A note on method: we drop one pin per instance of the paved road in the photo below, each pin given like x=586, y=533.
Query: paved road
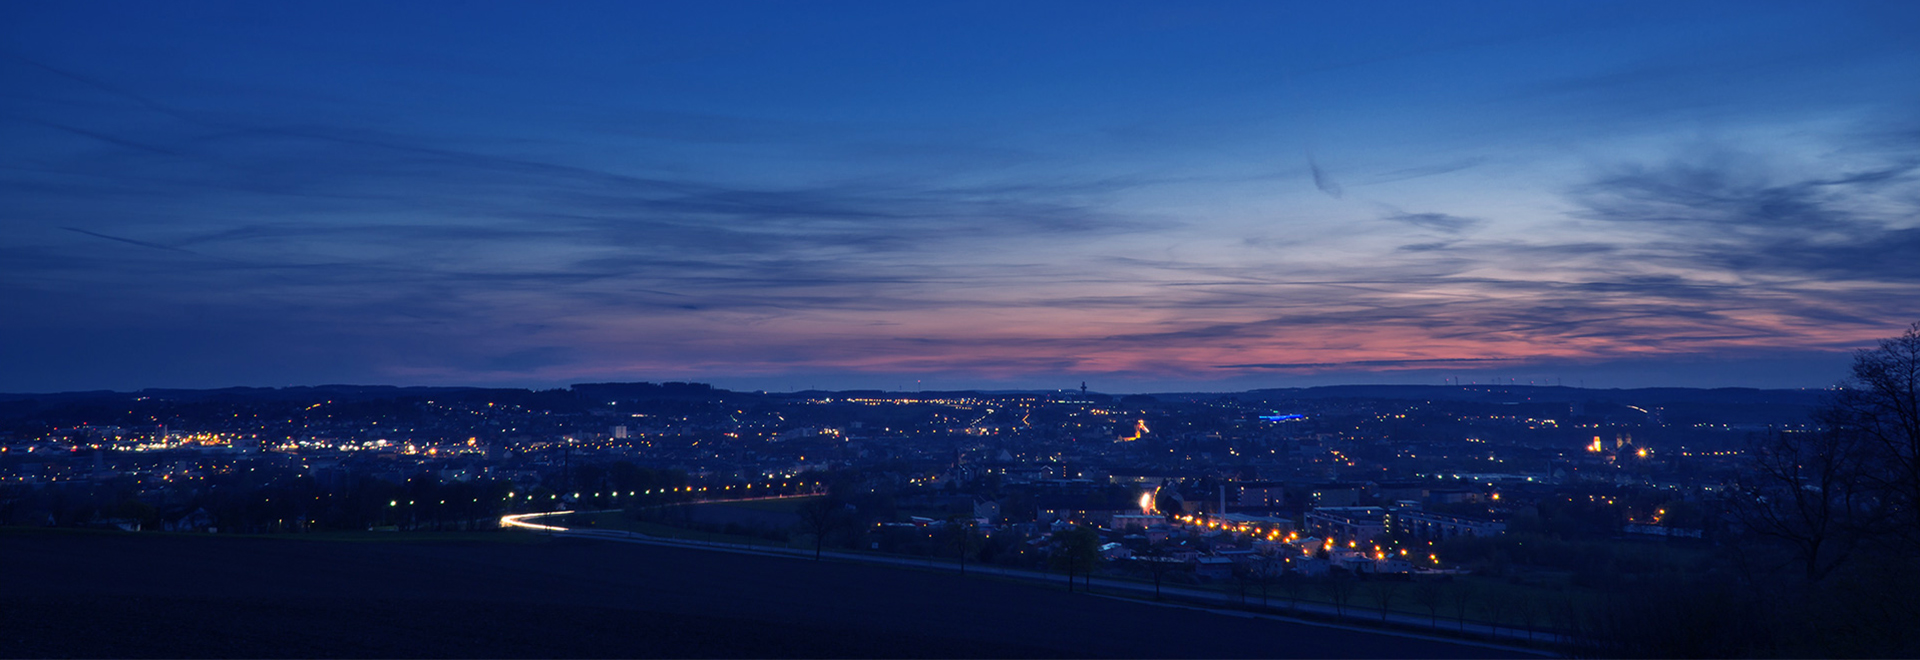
x=1108, y=585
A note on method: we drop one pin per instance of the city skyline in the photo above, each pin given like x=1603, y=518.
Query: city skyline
x=769, y=196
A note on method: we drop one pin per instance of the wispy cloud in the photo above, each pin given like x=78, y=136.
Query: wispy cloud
x=1721, y=210
x=1451, y=224
x=622, y=211
x=1292, y=366
x=1323, y=180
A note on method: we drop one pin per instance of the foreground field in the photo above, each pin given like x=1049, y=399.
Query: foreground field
x=149, y=595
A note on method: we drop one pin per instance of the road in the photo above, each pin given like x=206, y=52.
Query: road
x=1112, y=587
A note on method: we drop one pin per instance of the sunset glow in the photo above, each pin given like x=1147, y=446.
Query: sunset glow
x=1176, y=198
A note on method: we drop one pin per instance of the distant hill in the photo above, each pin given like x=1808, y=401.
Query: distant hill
x=673, y=390
x=1523, y=393
x=293, y=393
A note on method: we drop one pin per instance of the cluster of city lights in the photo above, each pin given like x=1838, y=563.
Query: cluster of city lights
x=1292, y=537
x=744, y=489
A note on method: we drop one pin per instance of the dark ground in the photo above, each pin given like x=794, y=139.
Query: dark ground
x=149, y=595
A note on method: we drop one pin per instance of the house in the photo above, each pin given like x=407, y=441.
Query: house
x=1403, y=490
x=988, y=509
x=1137, y=477
x=1352, y=560
x=1452, y=496
x=1339, y=494
x=197, y=520
x=1263, y=495
x=1236, y=555
x=1391, y=565
x=122, y=524
x=1438, y=526
x=1247, y=524
x=1096, y=517
x=1348, y=523
x=1308, y=566
x=1213, y=567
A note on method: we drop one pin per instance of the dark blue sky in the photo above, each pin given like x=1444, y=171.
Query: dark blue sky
x=1143, y=196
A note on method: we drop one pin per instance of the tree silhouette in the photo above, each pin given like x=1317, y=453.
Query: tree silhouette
x=1495, y=608
x=1268, y=567
x=1880, y=403
x=1382, y=592
x=821, y=518
x=1855, y=480
x=1294, y=585
x=963, y=537
x=1339, y=587
x=1428, y=594
x=1157, y=559
x=1243, y=575
x=1076, y=551
x=1463, y=594
x=1529, y=610
x=1809, y=491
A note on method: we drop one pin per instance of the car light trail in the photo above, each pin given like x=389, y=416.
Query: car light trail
x=520, y=520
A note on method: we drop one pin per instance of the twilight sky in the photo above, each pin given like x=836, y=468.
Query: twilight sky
x=946, y=195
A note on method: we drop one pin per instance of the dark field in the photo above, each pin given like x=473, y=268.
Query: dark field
x=148, y=595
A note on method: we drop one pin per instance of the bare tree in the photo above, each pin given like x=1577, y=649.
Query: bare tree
x=964, y=536
x=1495, y=608
x=821, y=518
x=1270, y=568
x=1339, y=589
x=1158, y=561
x=1808, y=490
x=1880, y=402
x=1854, y=480
x=1383, y=591
x=1529, y=610
x=1076, y=550
x=1463, y=594
x=1294, y=585
x=1427, y=594
x=1244, y=573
